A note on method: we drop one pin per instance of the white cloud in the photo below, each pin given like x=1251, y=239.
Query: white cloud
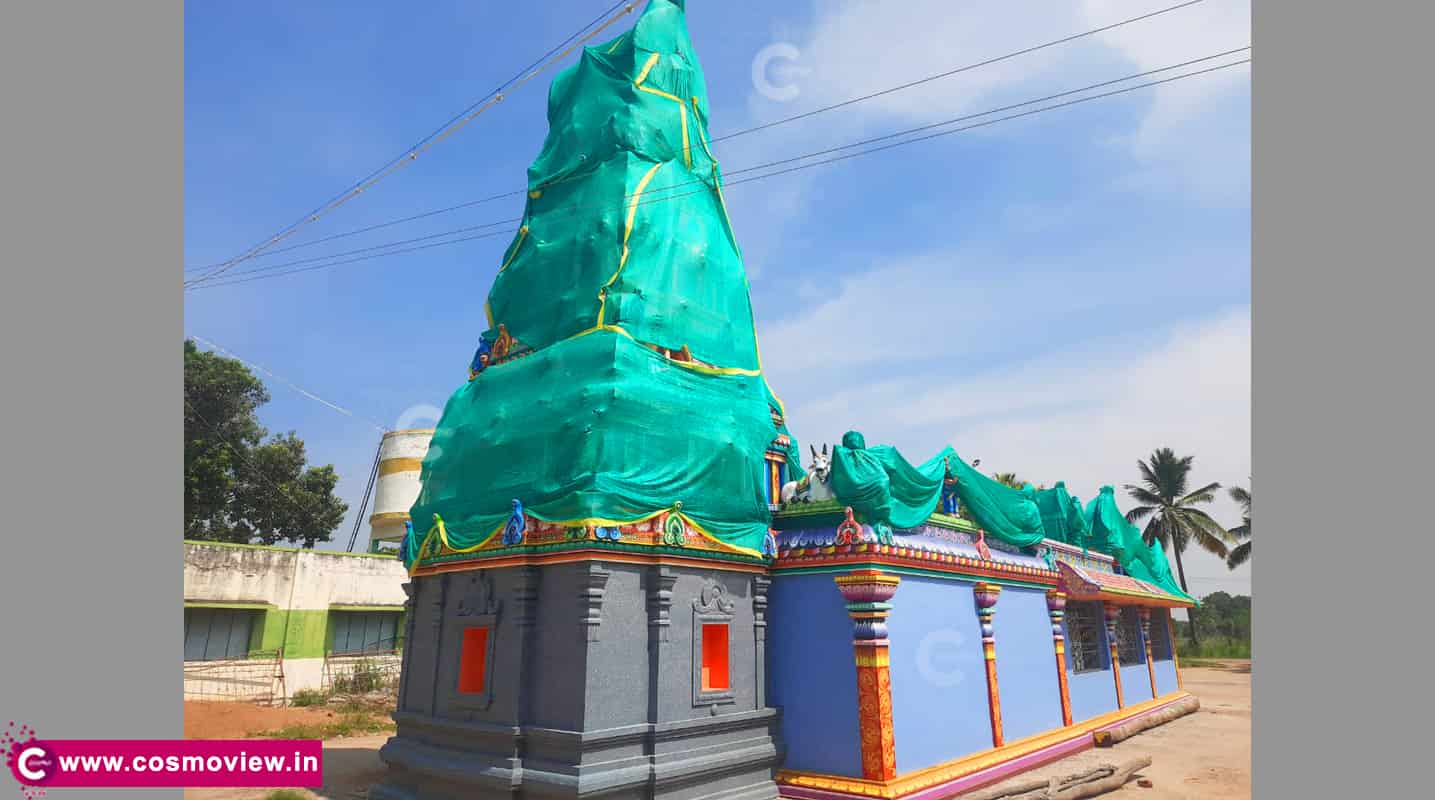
x=1194, y=133
x=1084, y=415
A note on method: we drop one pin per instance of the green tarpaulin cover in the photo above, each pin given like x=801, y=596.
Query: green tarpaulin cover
x=1062, y=517
x=1113, y=534
x=643, y=388
x=885, y=490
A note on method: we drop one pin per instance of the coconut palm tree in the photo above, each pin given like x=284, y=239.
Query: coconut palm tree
x=1010, y=479
x=1174, y=519
x=1241, y=553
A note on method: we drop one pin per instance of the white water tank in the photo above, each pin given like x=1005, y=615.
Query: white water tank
x=401, y=455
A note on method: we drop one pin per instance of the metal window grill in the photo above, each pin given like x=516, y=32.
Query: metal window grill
x=1160, y=636
x=1128, y=637
x=1083, y=636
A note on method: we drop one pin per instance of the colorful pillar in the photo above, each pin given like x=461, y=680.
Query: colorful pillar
x=1113, y=614
x=1146, y=640
x=986, y=596
x=1171, y=639
x=867, y=592
x=1056, y=606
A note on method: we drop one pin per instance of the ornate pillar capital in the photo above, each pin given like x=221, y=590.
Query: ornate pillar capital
x=867, y=593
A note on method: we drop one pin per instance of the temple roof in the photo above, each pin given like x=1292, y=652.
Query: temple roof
x=1087, y=584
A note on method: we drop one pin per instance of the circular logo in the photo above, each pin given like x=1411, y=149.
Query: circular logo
x=413, y=415
x=762, y=64
x=936, y=656
x=32, y=763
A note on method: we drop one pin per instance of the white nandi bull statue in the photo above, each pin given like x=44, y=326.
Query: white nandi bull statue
x=813, y=488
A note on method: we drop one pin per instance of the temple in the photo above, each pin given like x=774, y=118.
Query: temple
x=623, y=582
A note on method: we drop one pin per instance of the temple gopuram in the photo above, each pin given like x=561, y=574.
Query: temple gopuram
x=624, y=583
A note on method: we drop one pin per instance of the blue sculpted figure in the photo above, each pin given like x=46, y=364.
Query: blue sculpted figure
x=949, y=493
x=480, y=359
x=513, y=531
x=606, y=532
x=406, y=543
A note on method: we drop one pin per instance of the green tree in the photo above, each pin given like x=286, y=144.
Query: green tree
x=1241, y=553
x=237, y=487
x=1010, y=479
x=1174, y=519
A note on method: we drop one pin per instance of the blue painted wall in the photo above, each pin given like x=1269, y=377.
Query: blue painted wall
x=939, y=684
x=1092, y=693
x=1166, y=677
x=1026, y=664
x=1135, y=683
x=811, y=674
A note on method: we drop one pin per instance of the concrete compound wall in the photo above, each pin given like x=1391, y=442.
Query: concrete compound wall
x=294, y=592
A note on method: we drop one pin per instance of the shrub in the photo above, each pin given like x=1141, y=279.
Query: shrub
x=308, y=697
x=365, y=677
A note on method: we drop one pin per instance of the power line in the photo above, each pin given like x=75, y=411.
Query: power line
x=957, y=71
x=301, y=390
x=743, y=132
x=460, y=120
x=260, y=273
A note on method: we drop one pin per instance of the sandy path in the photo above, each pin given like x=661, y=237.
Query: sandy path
x=1205, y=755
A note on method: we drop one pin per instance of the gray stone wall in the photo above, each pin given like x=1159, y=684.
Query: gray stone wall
x=592, y=687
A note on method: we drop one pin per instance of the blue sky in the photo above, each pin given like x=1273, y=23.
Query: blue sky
x=1056, y=295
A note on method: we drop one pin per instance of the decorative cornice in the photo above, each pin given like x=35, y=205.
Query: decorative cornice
x=882, y=556
x=571, y=555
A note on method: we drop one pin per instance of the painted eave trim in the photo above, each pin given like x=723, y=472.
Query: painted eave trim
x=587, y=554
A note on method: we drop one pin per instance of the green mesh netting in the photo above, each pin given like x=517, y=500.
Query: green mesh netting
x=881, y=486
x=1113, y=534
x=886, y=490
x=643, y=388
x=1008, y=514
x=1061, y=515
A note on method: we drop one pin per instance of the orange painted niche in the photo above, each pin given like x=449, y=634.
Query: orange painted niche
x=715, y=658
x=473, y=661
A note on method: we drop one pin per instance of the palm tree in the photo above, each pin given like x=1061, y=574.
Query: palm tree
x=1010, y=479
x=1242, y=552
x=1174, y=519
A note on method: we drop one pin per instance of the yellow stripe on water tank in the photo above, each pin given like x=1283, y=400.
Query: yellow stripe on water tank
x=391, y=465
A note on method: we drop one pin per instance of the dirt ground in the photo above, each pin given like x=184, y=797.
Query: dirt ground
x=221, y=720
x=1205, y=755
x=1201, y=756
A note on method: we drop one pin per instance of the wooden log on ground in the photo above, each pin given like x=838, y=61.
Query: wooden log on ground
x=1119, y=733
x=1095, y=781
x=1110, y=783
